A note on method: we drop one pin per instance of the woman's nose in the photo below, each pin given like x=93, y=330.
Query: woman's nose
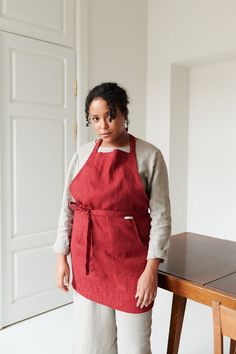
x=104, y=123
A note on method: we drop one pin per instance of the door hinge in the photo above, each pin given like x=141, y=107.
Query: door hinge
x=75, y=87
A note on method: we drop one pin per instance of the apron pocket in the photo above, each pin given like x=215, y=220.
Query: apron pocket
x=143, y=226
x=124, y=237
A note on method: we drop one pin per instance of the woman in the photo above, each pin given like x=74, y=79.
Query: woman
x=115, y=220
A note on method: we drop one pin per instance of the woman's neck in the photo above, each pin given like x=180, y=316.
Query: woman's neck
x=121, y=142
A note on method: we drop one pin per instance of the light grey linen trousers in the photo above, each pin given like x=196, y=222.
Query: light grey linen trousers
x=99, y=329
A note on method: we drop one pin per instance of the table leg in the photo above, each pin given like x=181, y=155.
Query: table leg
x=232, y=349
x=176, y=322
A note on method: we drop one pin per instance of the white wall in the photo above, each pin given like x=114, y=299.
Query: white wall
x=212, y=148
x=190, y=116
x=113, y=47
x=179, y=31
x=117, y=40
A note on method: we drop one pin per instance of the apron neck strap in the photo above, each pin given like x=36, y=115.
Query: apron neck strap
x=132, y=144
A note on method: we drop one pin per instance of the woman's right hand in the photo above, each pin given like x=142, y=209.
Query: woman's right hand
x=63, y=272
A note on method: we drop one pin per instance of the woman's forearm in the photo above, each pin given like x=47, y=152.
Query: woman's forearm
x=153, y=264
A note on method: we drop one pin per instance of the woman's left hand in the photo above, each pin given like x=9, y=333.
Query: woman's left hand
x=147, y=284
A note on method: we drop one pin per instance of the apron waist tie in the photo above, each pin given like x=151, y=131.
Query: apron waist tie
x=79, y=207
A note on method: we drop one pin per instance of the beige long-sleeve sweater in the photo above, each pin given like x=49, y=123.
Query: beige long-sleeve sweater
x=153, y=172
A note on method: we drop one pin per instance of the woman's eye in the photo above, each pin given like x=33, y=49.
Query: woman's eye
x=109, y=118
x=95, y=119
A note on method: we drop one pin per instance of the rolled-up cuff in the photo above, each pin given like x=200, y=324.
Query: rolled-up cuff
x=159, y=243
x=162, y=255
x=61, y=249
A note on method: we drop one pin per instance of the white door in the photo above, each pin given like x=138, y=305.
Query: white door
x=52, y=20
x=37, y=112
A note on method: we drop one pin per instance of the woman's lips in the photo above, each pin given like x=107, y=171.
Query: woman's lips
x=105, y=135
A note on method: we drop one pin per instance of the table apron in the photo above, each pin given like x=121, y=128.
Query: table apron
x=194, y=291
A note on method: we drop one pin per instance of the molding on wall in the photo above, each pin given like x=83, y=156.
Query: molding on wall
x=81, y=28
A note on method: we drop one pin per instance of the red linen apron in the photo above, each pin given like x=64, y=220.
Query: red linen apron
x=110, y=232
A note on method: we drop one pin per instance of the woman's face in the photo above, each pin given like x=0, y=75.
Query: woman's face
x=110, y=131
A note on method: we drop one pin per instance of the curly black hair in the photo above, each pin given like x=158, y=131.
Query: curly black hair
x=114, y=95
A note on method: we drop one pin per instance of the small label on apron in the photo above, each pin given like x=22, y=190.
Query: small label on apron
x=128, y=217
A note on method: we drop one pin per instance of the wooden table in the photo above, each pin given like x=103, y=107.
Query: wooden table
x=200, y=268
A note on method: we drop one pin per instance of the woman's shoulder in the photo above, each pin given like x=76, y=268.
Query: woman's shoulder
x=145, y=148
x=81, y=154
x=86, y=147
x=149, y=155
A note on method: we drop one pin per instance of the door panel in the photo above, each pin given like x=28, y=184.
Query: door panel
x=40, y=284
x=51, y=21
x=23, y=82
x=38, y=173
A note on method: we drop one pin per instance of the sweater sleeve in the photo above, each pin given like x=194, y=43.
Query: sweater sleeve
x=159, y=204
x=62, y=243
